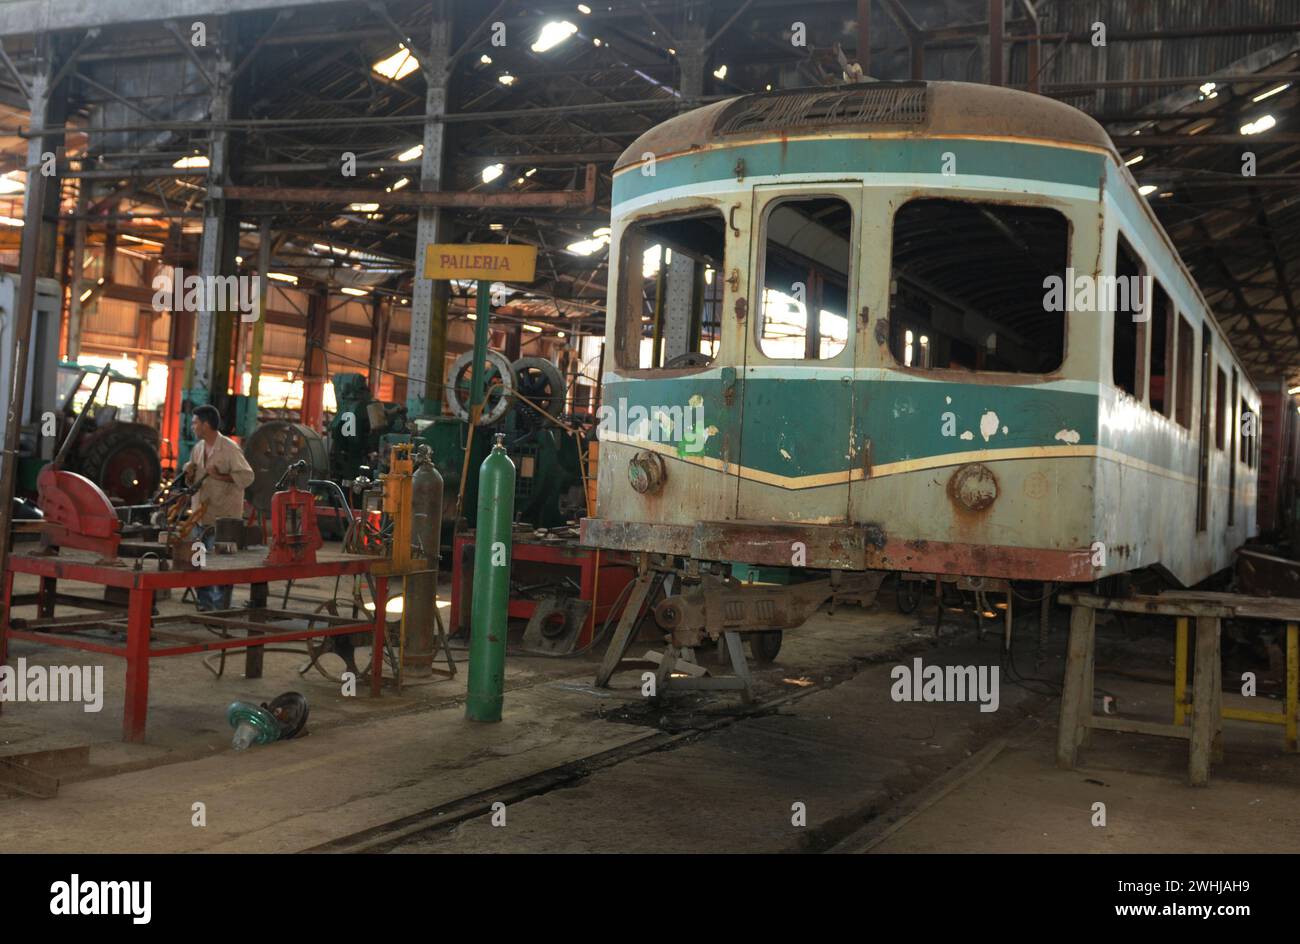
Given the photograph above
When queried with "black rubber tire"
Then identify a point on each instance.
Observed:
(97, 463)
(766, 646)
(906, 597)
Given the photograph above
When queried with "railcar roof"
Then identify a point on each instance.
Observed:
(922, 108)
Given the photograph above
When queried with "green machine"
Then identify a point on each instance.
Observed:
(361, 422)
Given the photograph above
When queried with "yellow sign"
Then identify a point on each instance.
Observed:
(485, 261)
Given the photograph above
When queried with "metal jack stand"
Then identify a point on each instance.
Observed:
(741, 681)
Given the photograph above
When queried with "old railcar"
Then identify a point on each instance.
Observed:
(885, 327)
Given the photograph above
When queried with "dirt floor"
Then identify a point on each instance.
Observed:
(826, 761)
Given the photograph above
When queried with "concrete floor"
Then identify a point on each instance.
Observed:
(689, 773)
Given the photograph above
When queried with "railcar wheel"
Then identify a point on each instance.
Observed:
(765, 645)
(906, 597)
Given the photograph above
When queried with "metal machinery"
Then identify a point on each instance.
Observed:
(549, 490)
(294, 537)
(109, 447)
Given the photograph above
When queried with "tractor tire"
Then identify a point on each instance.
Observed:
(765, 646)
(125, 465)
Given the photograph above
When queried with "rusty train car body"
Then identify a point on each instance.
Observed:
(885, 327)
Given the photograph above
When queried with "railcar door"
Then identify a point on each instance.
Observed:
(797, 396)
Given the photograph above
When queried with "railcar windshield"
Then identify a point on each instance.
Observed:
(670, 291)
(806, 262)
(969, 286)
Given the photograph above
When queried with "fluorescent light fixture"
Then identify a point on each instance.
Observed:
(349, 290)
(283, 277)
(321, 247)
(397, 66)
(1260, 124)
(10, 183)
(411, 154)
(496, 227)
(1146, 189)
(492, 172)
(399, 185)
(192, 161)
(1293, 391)
(533, 328)
(506, 78)
(530, 171)
(363, 207)
(584, 9)
(552, 34)
(720, 72)
(1271, 92)
(1135, 159)
(1208, 90)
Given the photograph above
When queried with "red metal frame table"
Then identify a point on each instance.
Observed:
(244, 567)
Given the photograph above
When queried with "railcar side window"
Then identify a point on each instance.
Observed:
(969, 286)
(806, 263)
(1220, 407)
(1248, 432)
(1127, 353)
(670, 291)
(1186, 366)
(1161, 315)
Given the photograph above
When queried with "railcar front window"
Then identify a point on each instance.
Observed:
(806, 259)
(970, 287)
(670, 291)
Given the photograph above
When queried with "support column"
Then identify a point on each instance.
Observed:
(429, 299)
(692, 57)
(997, 24)
(218, 246)
(313, 381)
(381, 316)
(248, 417)
(72, 349)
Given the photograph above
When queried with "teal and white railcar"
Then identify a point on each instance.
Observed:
(889, 327)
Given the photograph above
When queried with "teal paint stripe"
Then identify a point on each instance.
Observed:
(809, 419)
(841, 156)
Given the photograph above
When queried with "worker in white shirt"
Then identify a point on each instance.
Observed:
(219, 465)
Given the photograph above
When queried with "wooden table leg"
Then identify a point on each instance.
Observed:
(1180, 670)
(1204, 704)
(139, 623)
(1076, 696)
(381, 616)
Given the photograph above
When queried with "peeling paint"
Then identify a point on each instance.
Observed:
(968, 435)
(1070, 436)
(989, 425)
(786, 455)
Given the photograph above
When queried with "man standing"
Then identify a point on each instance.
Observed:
(219, 464)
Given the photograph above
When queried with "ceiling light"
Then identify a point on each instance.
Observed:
(397, 66)
(552, 34)
(530, 172)
(492, 172)
(485, 59)
(411, 154)
(193, 160)
(1262, 123)
(10, 183)
(584, 9)
(363, 207)
(1146, 189)
(533, 328)
(596, 40)
(1271, 92)
(720, 72)
(1208, 90)
(399, 185)
(349, 290)
(496, 227)
(283, 277)
(506, 79)
(1135, 159)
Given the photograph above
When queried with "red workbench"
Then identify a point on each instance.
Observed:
(137, 623)
(600, 576)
